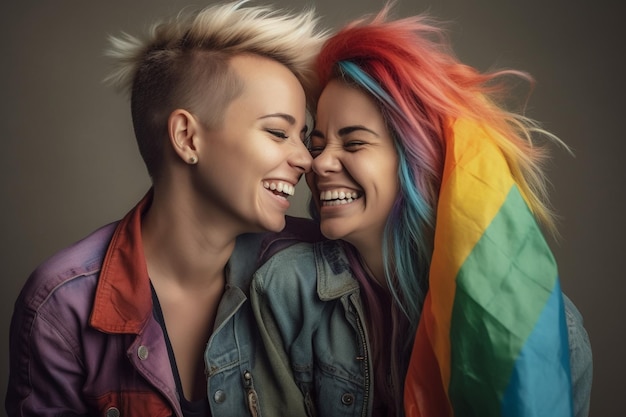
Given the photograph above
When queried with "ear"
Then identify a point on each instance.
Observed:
(183, 129)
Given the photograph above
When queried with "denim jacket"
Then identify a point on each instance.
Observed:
(314, 328)
(84, 340)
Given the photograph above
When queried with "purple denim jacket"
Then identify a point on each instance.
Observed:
(83, 339)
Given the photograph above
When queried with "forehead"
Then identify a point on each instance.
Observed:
(259, 73)
(345, 104)
(268, 87)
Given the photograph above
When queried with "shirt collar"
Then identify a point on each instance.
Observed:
(123, 302)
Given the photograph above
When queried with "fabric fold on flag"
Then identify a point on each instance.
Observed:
(492, 338)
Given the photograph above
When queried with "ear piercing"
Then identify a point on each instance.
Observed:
(193, 160)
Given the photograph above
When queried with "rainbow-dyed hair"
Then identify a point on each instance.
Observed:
(409, 68)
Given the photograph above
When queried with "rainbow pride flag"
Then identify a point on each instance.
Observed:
(492, 339)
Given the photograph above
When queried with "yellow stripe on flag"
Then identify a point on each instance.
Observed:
(476, 181)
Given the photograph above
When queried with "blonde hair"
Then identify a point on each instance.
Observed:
(183, 62)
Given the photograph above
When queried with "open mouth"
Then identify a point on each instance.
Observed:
(280, 188)
(338, 198)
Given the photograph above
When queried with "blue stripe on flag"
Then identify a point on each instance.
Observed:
(544, 368)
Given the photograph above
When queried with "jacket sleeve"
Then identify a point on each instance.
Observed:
(287, 309)
(581, 360)
(45, 374)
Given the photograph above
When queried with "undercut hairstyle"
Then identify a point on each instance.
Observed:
(184, 63)
(408, 67)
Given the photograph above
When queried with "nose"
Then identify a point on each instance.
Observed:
(301, 158)
(326, 162)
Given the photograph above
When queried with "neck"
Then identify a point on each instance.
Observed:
(372, 257)
(181, 246)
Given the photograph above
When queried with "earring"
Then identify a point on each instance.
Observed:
(193, 160)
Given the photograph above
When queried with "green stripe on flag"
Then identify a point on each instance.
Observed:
(502, 289)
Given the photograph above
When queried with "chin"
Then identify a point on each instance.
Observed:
(330, 232)
(274, 226)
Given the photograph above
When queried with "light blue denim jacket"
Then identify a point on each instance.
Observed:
(313, 330)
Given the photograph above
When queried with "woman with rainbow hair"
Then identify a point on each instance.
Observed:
(436, 294)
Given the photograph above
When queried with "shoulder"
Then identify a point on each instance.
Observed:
(287, 285)
(575, 327)
(580, 346)
(581, 358)
(319, 269)
(291, 266)
(324, 255)
(82, 258)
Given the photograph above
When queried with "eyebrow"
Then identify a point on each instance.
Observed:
(289, 118)
(345, 131)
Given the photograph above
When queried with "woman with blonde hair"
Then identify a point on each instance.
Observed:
(149, 316)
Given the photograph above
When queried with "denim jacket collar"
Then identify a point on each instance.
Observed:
(334, 277)
(239, 271)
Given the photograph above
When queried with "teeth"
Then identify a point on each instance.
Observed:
(337, 202)
(339, 197)
(281, 187)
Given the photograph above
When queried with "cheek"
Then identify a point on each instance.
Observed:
(264, 156)
(388, 170)
(384, 175)
(392, 186)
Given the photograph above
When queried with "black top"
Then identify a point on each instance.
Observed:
(197, 408)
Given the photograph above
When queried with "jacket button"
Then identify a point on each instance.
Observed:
(113, 412)
(219, 396)
(347, 399)
(142, 352)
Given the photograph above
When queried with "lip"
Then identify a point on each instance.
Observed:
(274, 187)
(279, 200)
(325, 186)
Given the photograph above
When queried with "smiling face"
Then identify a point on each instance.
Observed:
(251, 162)
(354, 180)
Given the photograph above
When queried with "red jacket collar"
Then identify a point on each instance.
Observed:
(123, 301)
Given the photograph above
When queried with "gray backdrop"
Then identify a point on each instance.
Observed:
(69, 162)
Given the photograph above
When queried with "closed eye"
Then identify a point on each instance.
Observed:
(353, 145)
(278, 133)
(315, 150)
